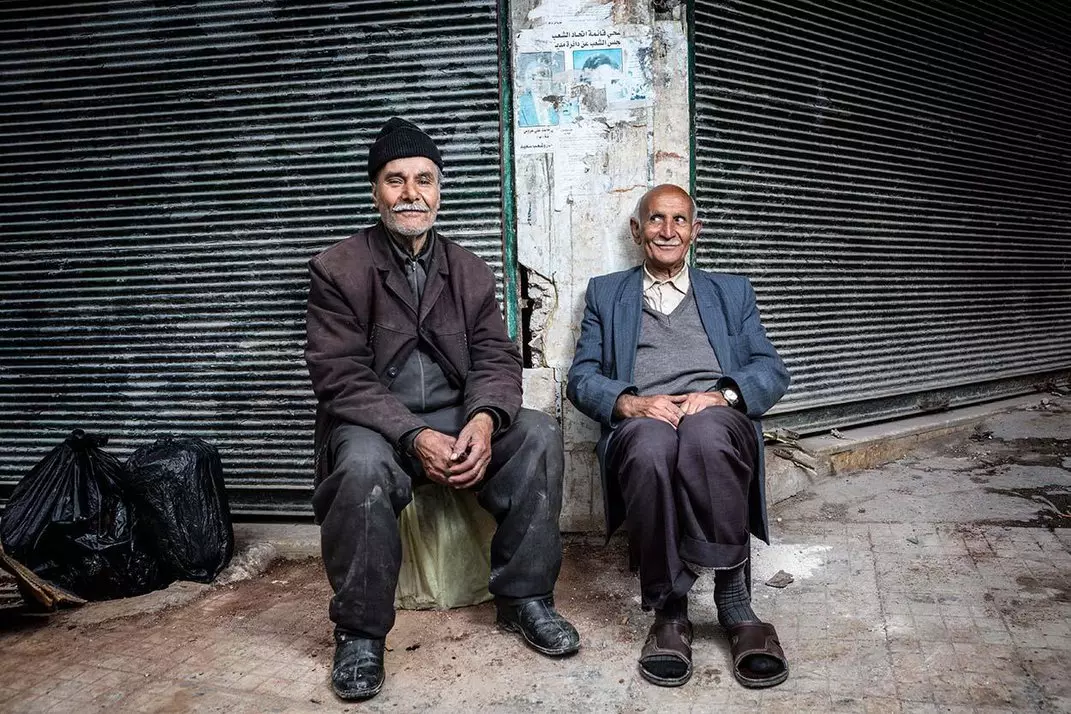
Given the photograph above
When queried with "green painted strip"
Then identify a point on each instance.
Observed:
(509, 206)
(691, 112)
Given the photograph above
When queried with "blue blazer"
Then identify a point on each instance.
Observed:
(606, 354)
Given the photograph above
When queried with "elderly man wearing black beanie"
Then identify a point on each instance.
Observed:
(416, 379)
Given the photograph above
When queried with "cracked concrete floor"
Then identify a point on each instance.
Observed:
(939, 583)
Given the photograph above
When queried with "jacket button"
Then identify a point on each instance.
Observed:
(392, 372)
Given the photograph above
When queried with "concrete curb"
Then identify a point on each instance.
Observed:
(792, 468)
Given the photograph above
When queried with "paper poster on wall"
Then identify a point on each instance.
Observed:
(564, 77)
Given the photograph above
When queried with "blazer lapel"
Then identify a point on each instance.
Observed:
(711, 314)
(626, 324)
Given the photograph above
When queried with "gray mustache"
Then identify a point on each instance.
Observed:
(399, 207)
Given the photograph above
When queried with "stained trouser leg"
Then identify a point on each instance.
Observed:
(357, 505)
(714, 467)
(643, 457)
(523, 491)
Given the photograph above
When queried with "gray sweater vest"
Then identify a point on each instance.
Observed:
(673, 355)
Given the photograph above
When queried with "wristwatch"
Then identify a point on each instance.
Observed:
(732, 397)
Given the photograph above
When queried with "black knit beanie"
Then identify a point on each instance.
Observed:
(400, 139)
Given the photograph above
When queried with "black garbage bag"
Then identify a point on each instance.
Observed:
(67, 520)
(176, 485)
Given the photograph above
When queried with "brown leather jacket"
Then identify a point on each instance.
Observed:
(361, 326)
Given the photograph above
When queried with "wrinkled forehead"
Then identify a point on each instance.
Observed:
(667, 201)
(408, 167)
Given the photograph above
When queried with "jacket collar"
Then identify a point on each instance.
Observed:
(383, 257)
(387, 265)
(710, 301)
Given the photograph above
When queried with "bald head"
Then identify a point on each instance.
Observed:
(663, 189)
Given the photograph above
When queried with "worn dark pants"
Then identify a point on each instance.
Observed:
(686, 495)
(368, 484)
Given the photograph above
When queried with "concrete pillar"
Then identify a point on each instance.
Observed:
(601, 114)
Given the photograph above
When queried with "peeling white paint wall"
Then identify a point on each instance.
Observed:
(574, 199)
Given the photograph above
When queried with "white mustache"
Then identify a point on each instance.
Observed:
(400, 207)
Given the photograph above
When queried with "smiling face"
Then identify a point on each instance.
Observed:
(665, 228)
(406, 194)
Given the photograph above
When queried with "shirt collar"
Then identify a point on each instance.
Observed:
(679, 281)
(403, 255)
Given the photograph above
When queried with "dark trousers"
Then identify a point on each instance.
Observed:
(368, 483)
(686, 495)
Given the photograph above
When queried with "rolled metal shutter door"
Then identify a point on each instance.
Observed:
(895, 178)
(169, 169)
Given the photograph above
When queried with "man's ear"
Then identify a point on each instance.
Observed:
(634, 227)
(696, 227)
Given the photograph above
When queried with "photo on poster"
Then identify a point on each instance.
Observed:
(540, 88)
(599, 72)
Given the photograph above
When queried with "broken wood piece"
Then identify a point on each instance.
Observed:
(34, 590)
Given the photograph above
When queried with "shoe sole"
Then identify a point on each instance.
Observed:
(516, 629)
(665, 681)
(762, 683)
(357, 697)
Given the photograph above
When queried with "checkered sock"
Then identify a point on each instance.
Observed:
(734, 606)
(732, 597)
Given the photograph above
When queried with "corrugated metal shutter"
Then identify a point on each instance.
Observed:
(169, 168)
(896, 180)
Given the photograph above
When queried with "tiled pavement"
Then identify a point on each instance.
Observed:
(941, 583)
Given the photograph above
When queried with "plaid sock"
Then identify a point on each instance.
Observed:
(732, 597)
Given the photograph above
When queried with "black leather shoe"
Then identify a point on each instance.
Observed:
(358, 670)
(540, 625)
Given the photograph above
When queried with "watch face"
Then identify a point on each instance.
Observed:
(731, 396)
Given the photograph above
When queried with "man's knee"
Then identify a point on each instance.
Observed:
(363, 470)
(716, 430)
(533, 446)
(644, 458)
(539, 430)
(648, 441)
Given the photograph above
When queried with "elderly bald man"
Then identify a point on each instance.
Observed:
(674, 363)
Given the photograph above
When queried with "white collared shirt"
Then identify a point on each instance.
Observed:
(665, 295)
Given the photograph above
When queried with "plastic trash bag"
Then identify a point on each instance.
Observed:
(446, 558)
(68, 522)
(176, 485)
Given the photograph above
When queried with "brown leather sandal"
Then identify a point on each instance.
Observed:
(756, 638)
(666, 657)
